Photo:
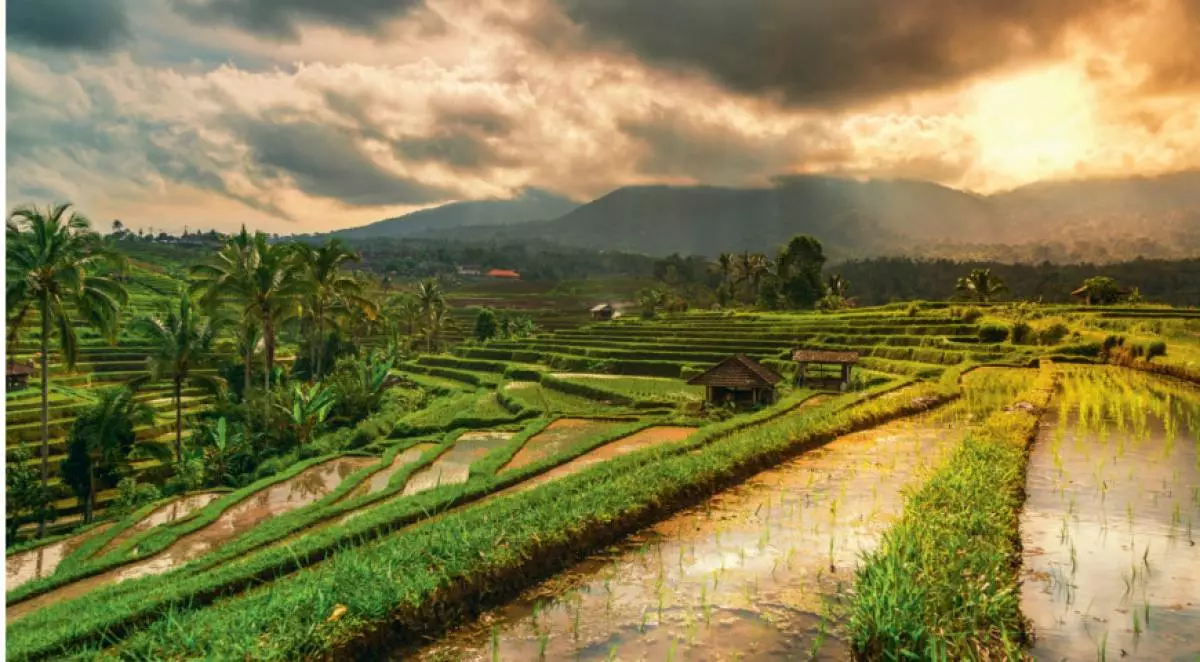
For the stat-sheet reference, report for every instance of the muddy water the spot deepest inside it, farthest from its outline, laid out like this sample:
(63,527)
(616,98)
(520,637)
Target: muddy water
(454,466)
(753,573)
(43,561)
(1112,564)
(301,490)
(169,513)
(379,480)
(556,438)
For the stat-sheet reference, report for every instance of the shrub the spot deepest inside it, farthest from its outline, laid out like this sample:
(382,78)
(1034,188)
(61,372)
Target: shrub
(131,495)
(971,315)
(1156,348)
(1053,334)
(1022,333)
(993,333)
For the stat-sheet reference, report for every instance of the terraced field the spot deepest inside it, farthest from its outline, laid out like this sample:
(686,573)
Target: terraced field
(533,456)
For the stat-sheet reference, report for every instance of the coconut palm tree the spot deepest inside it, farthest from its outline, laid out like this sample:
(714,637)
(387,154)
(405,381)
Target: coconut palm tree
(432,304)
(725,266)
(262,279)
(980,285)
(327,286)
(55,262)
(103,439)
(182,342)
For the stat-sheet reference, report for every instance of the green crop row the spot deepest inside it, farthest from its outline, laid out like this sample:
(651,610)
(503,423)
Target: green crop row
(944,583)
(437,568)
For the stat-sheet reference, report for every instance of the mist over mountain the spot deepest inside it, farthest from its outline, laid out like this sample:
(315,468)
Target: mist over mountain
(1067,221)
(531,205)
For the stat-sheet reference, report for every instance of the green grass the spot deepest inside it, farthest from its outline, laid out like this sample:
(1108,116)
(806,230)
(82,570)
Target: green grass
(641,389)
(943,583)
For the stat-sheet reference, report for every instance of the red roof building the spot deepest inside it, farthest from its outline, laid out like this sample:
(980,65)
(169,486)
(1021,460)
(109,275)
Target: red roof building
(503,273)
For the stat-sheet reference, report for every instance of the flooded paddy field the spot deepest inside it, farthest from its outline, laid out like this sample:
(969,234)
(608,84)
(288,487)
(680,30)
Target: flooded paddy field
(1111,561)
(756,572)
(178,508)
(559,436)
(454,466)
(43,561)
(377,481)
(285,496)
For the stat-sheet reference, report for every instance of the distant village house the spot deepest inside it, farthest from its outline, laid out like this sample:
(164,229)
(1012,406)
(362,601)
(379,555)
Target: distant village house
(16,375)
(602,311)
(508,274)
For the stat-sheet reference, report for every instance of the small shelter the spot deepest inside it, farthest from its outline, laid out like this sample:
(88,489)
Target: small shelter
(806,357)
(738,380)
(602,311)
(16,375)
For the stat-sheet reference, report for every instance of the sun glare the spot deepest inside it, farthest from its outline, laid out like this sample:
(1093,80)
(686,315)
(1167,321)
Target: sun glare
(1031,126)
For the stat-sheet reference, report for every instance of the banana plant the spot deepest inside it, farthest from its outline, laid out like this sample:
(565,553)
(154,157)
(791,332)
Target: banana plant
(308,410)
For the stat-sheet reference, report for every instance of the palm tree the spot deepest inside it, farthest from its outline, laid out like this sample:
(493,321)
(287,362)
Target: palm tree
(52,262)
(327,286)
(725,266)
(980,285)
(262,278)
(432,303)
(103,438)
(182,342)
(837,286)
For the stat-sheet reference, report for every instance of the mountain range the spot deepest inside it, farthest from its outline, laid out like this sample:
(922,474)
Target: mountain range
(1080,220)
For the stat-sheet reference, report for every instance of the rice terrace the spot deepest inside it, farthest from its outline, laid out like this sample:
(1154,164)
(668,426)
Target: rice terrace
(439,330)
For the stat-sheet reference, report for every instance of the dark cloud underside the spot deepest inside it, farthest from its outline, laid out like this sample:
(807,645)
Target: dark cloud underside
(824,53)
(327,162)
(85,25)
(280,19)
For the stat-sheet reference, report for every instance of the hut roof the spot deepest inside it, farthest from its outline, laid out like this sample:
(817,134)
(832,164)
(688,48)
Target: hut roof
(13,369)
(824,356)
(503,273)
(600,307)
(737,371)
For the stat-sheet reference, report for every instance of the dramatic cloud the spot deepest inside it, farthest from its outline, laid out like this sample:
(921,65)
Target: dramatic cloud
(281,19)
(305,115)
(86,25)
(813,53)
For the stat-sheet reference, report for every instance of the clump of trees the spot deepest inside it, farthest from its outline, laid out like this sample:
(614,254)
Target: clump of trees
(221,336)
(980,285)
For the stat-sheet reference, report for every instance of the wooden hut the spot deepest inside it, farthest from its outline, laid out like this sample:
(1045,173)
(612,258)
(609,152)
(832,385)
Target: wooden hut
(602,311)
(738,380)
(807,357)
(16,375)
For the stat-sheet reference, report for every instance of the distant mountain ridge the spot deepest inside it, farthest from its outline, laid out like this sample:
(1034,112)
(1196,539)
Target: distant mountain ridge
(530,204)
(1118,218)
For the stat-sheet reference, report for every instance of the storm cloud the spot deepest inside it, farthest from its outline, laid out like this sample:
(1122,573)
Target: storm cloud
(281,19)
(327,162)
(827,54)
(82,25)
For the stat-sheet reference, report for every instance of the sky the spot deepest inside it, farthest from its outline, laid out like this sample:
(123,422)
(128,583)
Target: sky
(297,116)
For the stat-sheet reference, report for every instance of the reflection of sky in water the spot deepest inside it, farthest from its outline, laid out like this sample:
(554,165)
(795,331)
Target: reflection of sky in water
(748,572)
(1109,558)
(454,466)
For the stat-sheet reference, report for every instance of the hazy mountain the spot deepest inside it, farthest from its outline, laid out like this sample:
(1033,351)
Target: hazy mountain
(1099,220)
(531,205)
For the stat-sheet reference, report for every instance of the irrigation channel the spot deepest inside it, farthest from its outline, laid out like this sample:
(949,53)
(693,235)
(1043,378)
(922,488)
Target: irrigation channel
(285,496)
(1111,560)
(759,571)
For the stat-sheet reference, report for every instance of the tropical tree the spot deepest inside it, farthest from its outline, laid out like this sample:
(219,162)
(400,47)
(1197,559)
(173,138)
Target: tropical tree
(55,263)
(980,285)
(800,263)
(259,276)
(485,324)
(308,409)
(725,263)
(1100,291)
(182,342)
(836,286)
(329,289)
(102,441)
(222,450)
(25,493)
(432,304)
(649,300)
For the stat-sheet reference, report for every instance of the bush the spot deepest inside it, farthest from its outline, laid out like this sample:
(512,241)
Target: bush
(1022,333)
(1156,348)
(131,495)
(971,315)
(993,333)
(1053,334)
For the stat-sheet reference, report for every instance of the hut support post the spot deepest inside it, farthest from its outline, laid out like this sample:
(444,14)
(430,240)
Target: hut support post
(800,380)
